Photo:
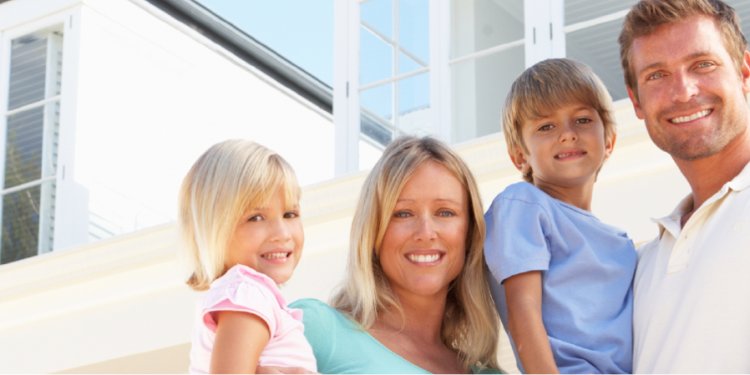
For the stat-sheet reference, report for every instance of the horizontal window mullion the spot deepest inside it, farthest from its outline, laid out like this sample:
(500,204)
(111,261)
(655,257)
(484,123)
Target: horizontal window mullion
(29,106)
(27,185)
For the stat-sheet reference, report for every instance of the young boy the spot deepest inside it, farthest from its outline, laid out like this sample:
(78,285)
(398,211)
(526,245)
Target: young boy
(562,279)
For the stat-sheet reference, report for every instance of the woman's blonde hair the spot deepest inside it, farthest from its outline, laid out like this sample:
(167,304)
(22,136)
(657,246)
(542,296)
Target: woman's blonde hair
(546,86)
(228,179)
(470,323)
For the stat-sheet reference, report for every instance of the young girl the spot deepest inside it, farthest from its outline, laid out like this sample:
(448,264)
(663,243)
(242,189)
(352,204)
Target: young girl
(240,220)
(562,279)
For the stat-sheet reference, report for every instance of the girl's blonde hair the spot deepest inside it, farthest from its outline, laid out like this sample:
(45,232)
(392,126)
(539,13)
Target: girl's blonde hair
(546,86)
(470,324)
(228,179)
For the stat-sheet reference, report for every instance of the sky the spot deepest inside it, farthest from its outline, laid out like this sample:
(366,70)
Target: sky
(300,30)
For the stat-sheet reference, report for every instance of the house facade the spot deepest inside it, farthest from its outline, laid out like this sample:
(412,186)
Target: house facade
(104,105)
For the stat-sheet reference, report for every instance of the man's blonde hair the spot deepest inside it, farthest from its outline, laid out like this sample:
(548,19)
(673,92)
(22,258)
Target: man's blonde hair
(227,180)
(546,86)
(470,324)
(647,15)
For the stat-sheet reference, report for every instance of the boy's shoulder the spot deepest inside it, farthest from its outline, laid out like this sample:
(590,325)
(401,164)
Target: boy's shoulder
(523,191)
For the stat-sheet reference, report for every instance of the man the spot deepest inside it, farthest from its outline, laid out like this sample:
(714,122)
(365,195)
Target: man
(687,70)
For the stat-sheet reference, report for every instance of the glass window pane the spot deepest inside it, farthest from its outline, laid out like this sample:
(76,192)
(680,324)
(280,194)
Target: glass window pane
(414,106)
(407,65)
(414,29)
(23,151)
(481,24)
(378,14)
(479,88)
(584,10)
(376,58)
(377,101)
(28,69)
(20,225)
(597,47)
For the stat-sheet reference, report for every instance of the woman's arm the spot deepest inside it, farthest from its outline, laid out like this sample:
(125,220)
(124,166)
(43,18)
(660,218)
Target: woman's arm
(523,294)
(240,338)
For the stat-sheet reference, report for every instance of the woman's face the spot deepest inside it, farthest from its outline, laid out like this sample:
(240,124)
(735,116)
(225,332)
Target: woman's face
(423,249)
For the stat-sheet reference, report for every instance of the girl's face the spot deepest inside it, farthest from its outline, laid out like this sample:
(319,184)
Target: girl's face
(423,248)
(566,148)
(269,239)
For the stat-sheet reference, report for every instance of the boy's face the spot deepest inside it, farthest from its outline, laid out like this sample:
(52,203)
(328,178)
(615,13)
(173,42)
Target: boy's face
(566,148)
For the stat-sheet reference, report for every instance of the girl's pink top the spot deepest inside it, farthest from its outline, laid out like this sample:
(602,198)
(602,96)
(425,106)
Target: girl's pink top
(244,289)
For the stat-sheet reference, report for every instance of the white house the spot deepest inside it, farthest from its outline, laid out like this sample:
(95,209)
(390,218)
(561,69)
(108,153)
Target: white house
(104,104)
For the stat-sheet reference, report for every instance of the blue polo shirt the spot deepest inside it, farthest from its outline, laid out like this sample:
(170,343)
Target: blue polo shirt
(587,272)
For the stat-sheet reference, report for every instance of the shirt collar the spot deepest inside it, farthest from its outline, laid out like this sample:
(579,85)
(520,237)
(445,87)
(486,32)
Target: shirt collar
(671,222)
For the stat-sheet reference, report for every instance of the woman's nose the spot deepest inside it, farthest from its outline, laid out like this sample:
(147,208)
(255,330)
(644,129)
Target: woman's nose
(426,229)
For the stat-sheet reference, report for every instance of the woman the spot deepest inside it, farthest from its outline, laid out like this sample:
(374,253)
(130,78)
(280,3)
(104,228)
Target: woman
(415,297)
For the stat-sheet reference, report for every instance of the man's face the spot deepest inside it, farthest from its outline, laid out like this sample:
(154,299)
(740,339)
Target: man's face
(688,90)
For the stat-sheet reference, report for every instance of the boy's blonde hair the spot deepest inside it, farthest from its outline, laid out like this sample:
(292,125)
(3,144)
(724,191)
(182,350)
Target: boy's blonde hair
(470,324)
(647,15)
(547,86)
(228,179)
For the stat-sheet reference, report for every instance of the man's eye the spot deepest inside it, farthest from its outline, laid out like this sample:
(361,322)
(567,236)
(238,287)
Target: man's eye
(654,76)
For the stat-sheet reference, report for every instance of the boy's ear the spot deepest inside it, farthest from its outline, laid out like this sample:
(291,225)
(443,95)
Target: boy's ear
(609,145)
(519,159)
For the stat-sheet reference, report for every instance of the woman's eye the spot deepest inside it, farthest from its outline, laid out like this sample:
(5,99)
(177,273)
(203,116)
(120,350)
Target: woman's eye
(401,214)
(446,213)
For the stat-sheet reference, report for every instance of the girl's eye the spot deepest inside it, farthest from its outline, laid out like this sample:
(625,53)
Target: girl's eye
(255,218)
(291,214)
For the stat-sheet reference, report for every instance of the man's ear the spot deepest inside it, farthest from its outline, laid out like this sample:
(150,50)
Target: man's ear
(745,72)
(519,159)
(636,104)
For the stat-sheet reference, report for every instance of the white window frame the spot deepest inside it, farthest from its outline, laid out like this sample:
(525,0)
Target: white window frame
(70,211)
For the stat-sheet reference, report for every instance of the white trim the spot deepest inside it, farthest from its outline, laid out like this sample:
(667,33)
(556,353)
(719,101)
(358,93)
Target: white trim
(440,77)
(26,185)
(346,118)
(393,43)
(488,51)
(393,79)
(596,21)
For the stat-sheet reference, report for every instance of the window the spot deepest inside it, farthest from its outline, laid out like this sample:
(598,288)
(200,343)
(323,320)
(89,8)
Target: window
(29,134)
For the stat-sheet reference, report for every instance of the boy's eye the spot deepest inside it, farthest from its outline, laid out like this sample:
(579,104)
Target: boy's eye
(583,120)
(546,127)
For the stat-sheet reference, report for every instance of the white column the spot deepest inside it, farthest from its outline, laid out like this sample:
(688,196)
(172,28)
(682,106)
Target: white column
(346,112)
